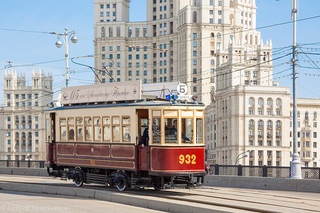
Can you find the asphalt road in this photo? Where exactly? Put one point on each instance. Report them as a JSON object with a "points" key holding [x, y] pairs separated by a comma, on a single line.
{"points": [[16, 202]]}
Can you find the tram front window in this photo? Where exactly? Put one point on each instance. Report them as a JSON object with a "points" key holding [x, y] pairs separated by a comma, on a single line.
{"points": [[187, 130], [199, 131], [171, 130]]}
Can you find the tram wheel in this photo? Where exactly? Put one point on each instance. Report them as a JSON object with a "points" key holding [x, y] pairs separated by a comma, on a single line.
{"points": [[78, 178], [121, 183]]}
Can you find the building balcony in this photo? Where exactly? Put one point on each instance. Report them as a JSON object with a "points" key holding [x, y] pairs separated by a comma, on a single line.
{"points": [[305, 149], [307, 159], [306, 129], [305, 139]]}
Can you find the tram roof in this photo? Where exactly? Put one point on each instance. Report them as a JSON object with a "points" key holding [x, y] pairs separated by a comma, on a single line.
{"points": [[131, 93], [142, 103]]}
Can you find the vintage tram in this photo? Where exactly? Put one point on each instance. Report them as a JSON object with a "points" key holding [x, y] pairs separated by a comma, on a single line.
{"points": [[95, 136]]}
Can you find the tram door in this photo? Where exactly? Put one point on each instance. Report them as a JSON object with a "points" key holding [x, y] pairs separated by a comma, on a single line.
{"points": [[143, 139], [50, 137]]}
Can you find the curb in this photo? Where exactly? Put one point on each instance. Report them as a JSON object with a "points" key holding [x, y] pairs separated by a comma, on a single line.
{"points": [[155, 203]]}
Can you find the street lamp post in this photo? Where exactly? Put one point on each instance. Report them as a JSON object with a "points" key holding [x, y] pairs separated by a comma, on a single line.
{"points": [[74, 40], [295, 164], [242, 155]]}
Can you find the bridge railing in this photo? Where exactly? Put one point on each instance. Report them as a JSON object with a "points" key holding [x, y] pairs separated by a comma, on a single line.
{"points": [[22, 163], [238, 170], [262, 171]]}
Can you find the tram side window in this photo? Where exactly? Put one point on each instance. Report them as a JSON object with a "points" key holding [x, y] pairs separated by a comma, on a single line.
{"points": [[79, 127], [116, 129], [106, 129], [199, 131], [88, 128], [126, 129], [156, 130], [70, 129], [63, 129], [97, 128]]}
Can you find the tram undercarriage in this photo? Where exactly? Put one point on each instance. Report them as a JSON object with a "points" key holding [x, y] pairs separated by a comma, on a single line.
{"points": [[123, 180]]}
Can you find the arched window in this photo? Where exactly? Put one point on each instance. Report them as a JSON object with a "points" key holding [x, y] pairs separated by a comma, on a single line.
{"points": [[260, 102], [103, 32], [23, 119], [145, 31], [251, 123], [278, 103], [251, 101], [137, 31], [218, 36], [278, 124], [269, 124], [17, 119], [129, 32], [194, 18], [260, 124], [29, 136], [212, 62], [29, 119], [110, 31], [306, 115], [212, 35], [118, 31], [23, 138]]}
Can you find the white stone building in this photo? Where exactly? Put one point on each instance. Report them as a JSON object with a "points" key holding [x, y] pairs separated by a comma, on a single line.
{"points": [[213, 47], [22, 122]]}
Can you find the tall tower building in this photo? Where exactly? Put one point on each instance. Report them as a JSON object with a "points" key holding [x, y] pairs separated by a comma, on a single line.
{"points": [[178, 41], [23, 123]]}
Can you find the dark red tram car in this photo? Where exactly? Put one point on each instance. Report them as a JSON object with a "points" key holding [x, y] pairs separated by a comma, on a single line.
{"points": [[114, 136]]}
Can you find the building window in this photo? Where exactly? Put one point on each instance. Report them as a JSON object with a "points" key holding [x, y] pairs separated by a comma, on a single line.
{"points": [[194, 62], [194, 44]]}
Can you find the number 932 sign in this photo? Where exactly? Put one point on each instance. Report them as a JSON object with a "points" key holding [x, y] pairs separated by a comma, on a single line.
{"points": [[182, 89]]}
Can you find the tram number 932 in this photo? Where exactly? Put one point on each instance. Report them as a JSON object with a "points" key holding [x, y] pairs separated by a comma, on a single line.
{"points": [[187, 159]]}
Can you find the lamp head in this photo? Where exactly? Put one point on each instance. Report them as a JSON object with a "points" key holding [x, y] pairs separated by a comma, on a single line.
{"points": [[74, 39], [58, 44]]}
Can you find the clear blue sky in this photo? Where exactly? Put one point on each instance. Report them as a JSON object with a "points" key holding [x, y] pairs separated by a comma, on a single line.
{"points": [[25, 41]]}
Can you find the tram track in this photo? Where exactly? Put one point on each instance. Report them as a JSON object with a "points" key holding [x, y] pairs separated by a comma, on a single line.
{"points": [[234, 200]]}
